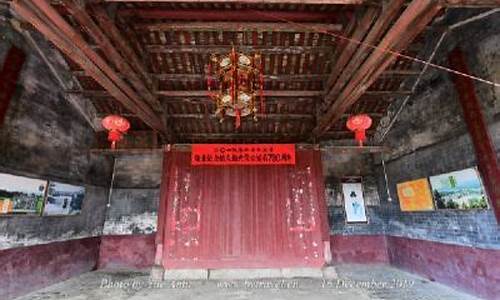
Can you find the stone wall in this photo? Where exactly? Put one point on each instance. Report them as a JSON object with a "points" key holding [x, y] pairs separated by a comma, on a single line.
{"points": [[338, 165], [128, 239], [44, 137], [430, 138], [135, 196]]}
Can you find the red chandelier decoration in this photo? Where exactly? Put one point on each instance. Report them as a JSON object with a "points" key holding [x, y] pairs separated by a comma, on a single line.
{"points": [[117, 127], [359, 124], [235, 83]]}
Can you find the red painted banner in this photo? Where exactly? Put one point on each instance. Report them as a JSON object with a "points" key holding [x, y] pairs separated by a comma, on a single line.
{"points": [[242, 154]]}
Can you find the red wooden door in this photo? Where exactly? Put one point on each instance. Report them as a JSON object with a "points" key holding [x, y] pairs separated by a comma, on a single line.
{"points": [[243, 216]]}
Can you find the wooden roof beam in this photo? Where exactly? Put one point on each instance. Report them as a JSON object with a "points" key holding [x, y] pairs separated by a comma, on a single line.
{"points": [[374, 33], [285, 116], [280, 77], [411, 22], [359, 33], [105, 22], [121, 63], [248, 1], [280, 117], [238, 26], [217, 49], [239, 15], [270, 93], [232, 135], [50, 24], [211, 116]]}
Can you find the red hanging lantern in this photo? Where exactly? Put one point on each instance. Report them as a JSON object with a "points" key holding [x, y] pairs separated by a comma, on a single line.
{"points": [[117, 127], [359, 124]]}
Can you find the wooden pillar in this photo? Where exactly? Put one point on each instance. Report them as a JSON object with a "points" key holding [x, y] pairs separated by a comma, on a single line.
{"points": [[168, 158], [478, 130], [8, 78]]}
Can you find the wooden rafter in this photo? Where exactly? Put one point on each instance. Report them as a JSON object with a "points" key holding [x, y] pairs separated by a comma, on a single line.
{"points": [[48, 21], [410, 23], [121, 63], [373, 33], [123, 46], [358, 34]]}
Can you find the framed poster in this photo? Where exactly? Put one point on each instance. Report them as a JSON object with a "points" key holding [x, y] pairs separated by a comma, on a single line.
{"points": [[63, 199], [354, 202], [415, 195], [459, 190], [21, 195]]}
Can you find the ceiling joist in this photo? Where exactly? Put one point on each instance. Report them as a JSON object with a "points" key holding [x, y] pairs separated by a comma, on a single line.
{"points": [[239, 15], [410, 23], [239, 26], [47, 20]]}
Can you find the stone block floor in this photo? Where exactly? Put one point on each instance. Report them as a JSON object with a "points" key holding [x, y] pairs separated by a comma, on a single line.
{"points": [[355, 282]]}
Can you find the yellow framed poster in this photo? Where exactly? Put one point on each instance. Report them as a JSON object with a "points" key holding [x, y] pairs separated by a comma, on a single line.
{"points": [[415, 195]]}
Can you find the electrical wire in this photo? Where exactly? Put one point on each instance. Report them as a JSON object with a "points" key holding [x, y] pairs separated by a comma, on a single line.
{"points": [[386, 50]]}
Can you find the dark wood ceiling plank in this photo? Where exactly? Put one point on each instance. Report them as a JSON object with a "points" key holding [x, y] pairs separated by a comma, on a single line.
{"points": [[350, 48], [80, 15], [106, 23]]}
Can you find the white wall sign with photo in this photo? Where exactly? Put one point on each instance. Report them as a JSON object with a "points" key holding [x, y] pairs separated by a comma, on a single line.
{"points": [[21, 195], [461, 189], [63, 199], [354, 202]]}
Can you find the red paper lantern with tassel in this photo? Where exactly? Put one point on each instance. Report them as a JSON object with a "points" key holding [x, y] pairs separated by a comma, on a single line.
{"points": [[117, 127], [359, 124]]}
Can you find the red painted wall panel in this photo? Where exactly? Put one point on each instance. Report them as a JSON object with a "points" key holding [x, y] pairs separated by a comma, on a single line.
{"points": [[362, 249], [473, 270], [243, 216], [127, 251], [27, 269]]}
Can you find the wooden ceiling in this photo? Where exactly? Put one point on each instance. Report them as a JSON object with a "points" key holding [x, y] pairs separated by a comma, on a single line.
{"points": [[146, 60]]}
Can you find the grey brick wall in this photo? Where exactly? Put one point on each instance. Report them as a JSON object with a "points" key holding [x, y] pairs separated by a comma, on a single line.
{"points": [[430, 138], [135, 196]]}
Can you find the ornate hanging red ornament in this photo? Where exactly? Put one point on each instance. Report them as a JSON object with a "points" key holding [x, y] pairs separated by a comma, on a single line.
{"points": [[117, 127], [235, 82], [359, 124]]}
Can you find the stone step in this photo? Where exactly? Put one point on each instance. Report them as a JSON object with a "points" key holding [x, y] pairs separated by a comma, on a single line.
{"points": [[235, 274]]}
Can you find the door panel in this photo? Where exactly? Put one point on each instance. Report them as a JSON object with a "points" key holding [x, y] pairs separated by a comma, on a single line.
{"points": [[243, 216]]}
